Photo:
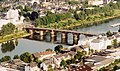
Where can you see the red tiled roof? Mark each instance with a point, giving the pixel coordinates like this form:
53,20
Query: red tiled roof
38,54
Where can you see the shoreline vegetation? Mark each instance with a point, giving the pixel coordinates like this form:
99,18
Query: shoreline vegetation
92,23
83,17
85,23
13,36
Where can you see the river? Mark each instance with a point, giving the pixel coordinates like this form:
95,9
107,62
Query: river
32,46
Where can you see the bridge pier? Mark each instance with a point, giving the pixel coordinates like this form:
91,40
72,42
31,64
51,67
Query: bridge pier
32,33
75,38
64,38
53,36
119,29
41,35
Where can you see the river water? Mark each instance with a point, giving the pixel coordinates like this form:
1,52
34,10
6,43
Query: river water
32,46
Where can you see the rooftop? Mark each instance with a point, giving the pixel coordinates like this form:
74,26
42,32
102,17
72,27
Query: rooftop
39,54
80,68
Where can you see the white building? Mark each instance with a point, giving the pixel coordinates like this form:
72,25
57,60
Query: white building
100,43
12,16
96,43
95,2
32,1
2,68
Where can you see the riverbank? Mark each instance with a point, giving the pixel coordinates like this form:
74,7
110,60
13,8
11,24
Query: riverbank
86,23
83,24
92,20
17,35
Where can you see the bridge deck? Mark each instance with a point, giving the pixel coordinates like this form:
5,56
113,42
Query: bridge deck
67,31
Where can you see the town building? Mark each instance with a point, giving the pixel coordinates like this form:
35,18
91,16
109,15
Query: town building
12,16
95,2
96,43
43,55
15,65
107,1
46,63
96,62
32,67
18,65
33,1
79,68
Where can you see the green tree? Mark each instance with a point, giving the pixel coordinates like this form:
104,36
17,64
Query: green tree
114,42
16,57
49,49
26,57
116,68
109,34
50,68
37,22
58,48
109,47
7,29
80,55
68,62
70,21
27,19
63,63
37,60
20,7
73,60
5,58
27,8
73,2
8,46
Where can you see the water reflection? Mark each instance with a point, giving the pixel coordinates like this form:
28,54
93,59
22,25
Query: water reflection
9,46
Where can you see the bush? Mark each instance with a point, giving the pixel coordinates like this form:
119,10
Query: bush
109,34
5,58
16,57
109,46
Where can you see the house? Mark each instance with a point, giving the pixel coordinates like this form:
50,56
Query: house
96,62
103,63
95,2
33,1
14,65
18,65
43,55
58,58
108,1
117,36
115,54
79,68
45,64
32,67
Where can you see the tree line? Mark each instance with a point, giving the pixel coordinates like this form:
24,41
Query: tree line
52,18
